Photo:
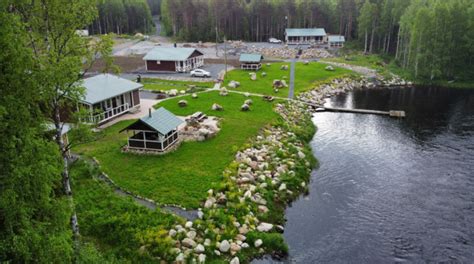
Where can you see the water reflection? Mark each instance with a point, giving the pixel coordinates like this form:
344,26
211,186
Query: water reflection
389,190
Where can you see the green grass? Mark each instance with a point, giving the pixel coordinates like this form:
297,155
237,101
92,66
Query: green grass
182,177
305,77
116,225
166,85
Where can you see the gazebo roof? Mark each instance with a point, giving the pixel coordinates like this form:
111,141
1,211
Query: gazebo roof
161,120
105,86
305,32
250,57
170,54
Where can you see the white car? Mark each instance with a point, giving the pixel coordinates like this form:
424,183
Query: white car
200,73
274,40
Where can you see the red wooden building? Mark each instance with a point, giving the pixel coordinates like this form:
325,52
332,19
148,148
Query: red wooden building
162,59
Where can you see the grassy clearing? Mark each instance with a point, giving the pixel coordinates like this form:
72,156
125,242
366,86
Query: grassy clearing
166,85
305,77
116,225
184,176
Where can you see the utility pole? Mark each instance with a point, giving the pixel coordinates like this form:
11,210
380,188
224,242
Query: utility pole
225,54
217,54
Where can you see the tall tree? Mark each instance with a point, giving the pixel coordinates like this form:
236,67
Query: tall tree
33,212
60,55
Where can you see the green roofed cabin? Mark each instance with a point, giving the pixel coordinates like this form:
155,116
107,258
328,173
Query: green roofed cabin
162,59
250,61
108,96
158,131
298,36
336,41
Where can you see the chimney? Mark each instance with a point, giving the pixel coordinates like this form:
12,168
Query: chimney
149,112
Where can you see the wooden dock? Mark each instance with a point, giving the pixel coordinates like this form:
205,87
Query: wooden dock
391,113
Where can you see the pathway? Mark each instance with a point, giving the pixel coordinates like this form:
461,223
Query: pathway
291,92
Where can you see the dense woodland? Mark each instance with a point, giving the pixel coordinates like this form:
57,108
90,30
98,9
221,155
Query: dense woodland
432,38
124,17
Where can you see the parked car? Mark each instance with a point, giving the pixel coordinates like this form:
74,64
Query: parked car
274,40
200,73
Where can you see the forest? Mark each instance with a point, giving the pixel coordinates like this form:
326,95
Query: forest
431,38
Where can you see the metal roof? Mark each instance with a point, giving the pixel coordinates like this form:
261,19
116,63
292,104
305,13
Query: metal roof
105,86
250,57
169,54
336,38
305,32
162,121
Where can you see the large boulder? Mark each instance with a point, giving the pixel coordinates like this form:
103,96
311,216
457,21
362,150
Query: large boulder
183,103
264,227
329,68
194,95
253,76
224,246
188,242
258,243
248,101
217,107
173,92
245,107
223,91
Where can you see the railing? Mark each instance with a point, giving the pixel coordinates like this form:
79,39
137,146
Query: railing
157,145
108,114
251,66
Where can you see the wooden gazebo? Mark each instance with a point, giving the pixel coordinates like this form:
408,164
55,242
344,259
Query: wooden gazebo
158,131
250,61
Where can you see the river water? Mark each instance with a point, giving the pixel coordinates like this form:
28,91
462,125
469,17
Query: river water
389,190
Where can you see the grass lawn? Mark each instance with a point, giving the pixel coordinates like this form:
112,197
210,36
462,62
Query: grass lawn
305,77
166,85
184,176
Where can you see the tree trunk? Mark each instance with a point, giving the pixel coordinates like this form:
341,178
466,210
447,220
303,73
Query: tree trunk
372,38
366,38
65,176
398,42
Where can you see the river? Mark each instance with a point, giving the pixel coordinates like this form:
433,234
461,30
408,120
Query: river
389,190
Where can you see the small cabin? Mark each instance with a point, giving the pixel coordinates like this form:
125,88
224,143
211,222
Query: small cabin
299,36
108,96
158,131
162,59
336,41
250,61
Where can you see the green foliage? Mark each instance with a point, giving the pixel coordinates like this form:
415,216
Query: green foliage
33,214
120,226
123,17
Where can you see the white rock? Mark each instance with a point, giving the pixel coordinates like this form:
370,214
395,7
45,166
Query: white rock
264,227
199,248
258,243
247,194
200,214
245,245
240,237
301,155
188,242
202,258
207,242
172,233
210,202
224,246
194,95
282,187
188,224
180,258
235,260
191,234
217,252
